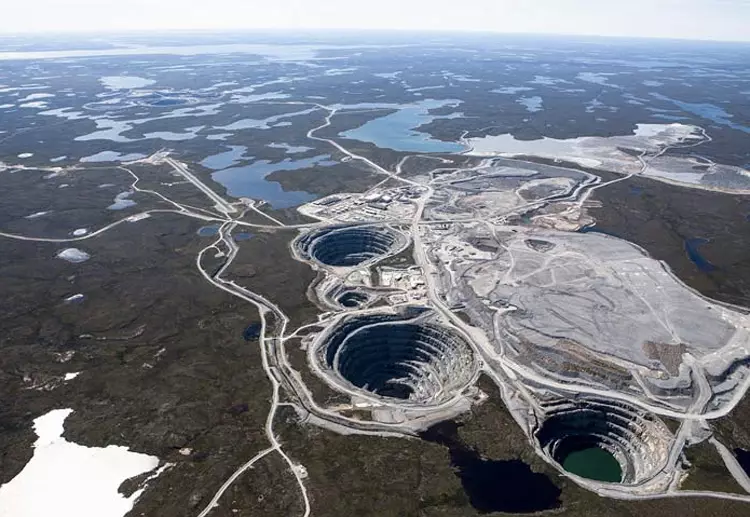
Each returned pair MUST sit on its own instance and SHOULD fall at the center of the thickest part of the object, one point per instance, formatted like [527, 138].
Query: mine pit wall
[425, 357]
[349, 246]
[379, 350]
[638, 441]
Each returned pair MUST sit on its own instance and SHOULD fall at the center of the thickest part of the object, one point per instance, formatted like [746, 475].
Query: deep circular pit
[352, 299]
[604, 441]
[350, 246]
[420, 362]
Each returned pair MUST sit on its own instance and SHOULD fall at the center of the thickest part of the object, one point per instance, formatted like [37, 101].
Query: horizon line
[303, 30]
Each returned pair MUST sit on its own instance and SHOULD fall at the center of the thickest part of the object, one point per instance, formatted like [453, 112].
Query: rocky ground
[166, 371]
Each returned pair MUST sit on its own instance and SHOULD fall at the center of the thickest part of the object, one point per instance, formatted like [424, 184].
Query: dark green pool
[594, 463]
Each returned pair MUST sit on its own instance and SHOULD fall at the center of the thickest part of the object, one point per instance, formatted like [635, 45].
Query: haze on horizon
[726, 20]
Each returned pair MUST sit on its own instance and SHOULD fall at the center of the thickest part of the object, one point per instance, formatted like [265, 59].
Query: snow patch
[36, 215]
[111, 156]
[511, 90]
[122, 202]
[65, 479]
[73, 255]
[652, 130]
[36, 96]
[532, 104]
[35, 104]
[125, 82]
[290, 149]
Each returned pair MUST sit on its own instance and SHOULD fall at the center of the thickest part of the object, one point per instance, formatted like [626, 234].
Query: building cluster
[377, 205]
[410, 282]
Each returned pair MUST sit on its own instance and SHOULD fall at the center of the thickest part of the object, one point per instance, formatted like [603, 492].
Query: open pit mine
[480, 270]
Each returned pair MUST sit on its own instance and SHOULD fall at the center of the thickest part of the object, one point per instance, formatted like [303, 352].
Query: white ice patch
[590, 151]
[73, 255]
[66, 113]
[290, 149]
[35, 104]
[652, 130]
[600, 78]
[122, 202]
[219, 136]
[546, 147]
[72, 375]
[36, 215]
[389, 75]
[621, 154]
[532, 104]
[22, 88]
[511, 90]
[548, 81]
[65, 479]
[125, 82]
[36, 96]
[112, 156]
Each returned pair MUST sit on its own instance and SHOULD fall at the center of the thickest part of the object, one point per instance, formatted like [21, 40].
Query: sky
[684, 19]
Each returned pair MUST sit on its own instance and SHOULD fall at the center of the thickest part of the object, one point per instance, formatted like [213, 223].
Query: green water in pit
[594, 463]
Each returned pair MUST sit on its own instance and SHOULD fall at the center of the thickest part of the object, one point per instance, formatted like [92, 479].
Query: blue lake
[208, 231]
[396, 131]
[692, 247]
[252, 332]
[226, 159]
[249, 181]
[707, 111]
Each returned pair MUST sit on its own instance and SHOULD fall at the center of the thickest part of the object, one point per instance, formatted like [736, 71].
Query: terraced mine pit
[352, 299]
[349, 246]
[604, 441]
[410, 360]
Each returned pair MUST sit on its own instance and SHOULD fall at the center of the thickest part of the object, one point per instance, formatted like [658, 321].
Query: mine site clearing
[524, 304]
[540, 300]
